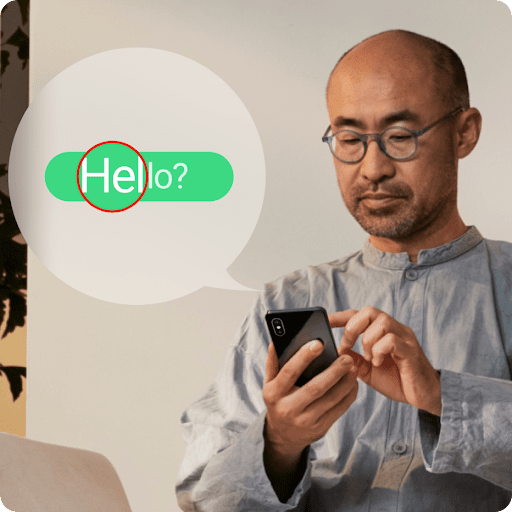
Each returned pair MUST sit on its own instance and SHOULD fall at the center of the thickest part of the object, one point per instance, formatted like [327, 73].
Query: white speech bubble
[156, 101]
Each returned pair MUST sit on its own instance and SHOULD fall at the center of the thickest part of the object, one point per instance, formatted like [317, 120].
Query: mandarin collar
[434, 256]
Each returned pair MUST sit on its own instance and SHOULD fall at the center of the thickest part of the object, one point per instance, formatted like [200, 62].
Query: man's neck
[425, 239]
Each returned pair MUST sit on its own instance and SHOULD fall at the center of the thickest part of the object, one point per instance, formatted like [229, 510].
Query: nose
[376, 166]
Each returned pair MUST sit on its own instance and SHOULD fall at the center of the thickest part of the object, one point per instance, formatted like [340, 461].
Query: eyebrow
[394, 117]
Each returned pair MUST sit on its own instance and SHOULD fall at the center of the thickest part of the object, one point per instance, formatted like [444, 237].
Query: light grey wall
[115, 378]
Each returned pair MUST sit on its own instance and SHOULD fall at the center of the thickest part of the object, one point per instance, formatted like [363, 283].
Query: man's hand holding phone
[298, 416]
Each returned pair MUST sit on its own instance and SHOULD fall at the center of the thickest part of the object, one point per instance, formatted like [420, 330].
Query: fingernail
[345, 361]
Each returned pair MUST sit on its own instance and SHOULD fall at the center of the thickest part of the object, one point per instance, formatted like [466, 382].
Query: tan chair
[42, 477]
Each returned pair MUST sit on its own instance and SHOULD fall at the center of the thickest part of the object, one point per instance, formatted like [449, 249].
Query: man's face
[370, 91]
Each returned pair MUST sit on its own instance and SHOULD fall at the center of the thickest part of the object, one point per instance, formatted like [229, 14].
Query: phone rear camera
[278, 326]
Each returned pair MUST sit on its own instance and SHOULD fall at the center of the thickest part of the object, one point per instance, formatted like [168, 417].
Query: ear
[469, 125]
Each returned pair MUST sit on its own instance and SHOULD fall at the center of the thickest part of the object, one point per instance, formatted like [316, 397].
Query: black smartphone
[290, 329]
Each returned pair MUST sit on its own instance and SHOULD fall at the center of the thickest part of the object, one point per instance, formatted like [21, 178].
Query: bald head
[402, 52]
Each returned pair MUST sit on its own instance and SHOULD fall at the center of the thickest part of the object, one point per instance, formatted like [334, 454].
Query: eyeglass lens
[397, 143]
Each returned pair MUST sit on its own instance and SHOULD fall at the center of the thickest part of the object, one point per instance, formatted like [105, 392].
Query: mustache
[397, 189]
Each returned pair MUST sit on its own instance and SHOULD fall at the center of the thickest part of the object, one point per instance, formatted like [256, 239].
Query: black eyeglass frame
[378, 138]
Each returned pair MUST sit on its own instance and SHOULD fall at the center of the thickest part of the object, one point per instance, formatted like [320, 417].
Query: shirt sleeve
[474, 433]
[223, 465]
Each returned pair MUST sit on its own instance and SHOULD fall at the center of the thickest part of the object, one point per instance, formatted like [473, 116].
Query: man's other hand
[393, 363]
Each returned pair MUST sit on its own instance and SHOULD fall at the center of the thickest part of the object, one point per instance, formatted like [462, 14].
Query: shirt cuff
[441, 437]
[253, 461]
[235, 479]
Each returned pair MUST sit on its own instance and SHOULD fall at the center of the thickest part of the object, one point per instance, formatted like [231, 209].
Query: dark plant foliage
[13, 270]
[13, 285]
[20, 39]
[13, 374]
[13, 255]
[5, 60]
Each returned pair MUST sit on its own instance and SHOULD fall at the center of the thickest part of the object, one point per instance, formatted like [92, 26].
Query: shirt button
[399, 448]
[411, 274]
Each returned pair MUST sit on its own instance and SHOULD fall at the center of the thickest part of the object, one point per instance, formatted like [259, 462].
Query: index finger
[356, 325]
[271, 365]
[340, 318]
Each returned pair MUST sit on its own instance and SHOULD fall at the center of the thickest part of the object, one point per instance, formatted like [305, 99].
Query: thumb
[272, 365]
[363, 366]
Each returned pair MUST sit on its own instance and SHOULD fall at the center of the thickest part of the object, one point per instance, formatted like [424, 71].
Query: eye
[347, 139]
[400, 138]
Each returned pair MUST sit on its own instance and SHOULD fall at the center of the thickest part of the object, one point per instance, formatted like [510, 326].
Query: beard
[400, 219]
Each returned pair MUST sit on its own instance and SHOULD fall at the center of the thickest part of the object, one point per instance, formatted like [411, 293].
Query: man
[425, 309]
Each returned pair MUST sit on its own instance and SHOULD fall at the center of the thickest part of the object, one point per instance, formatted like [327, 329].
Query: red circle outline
[101, 144]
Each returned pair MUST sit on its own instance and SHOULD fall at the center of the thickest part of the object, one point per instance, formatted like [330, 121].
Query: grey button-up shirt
[380, 455]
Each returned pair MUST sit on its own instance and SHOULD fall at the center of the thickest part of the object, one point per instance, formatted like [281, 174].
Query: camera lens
[278, 326]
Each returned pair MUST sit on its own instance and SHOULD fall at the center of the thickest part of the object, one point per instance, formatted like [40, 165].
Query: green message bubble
[112, 176]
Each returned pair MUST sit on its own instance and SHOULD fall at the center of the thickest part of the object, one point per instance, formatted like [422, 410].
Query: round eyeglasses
[396, 142]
